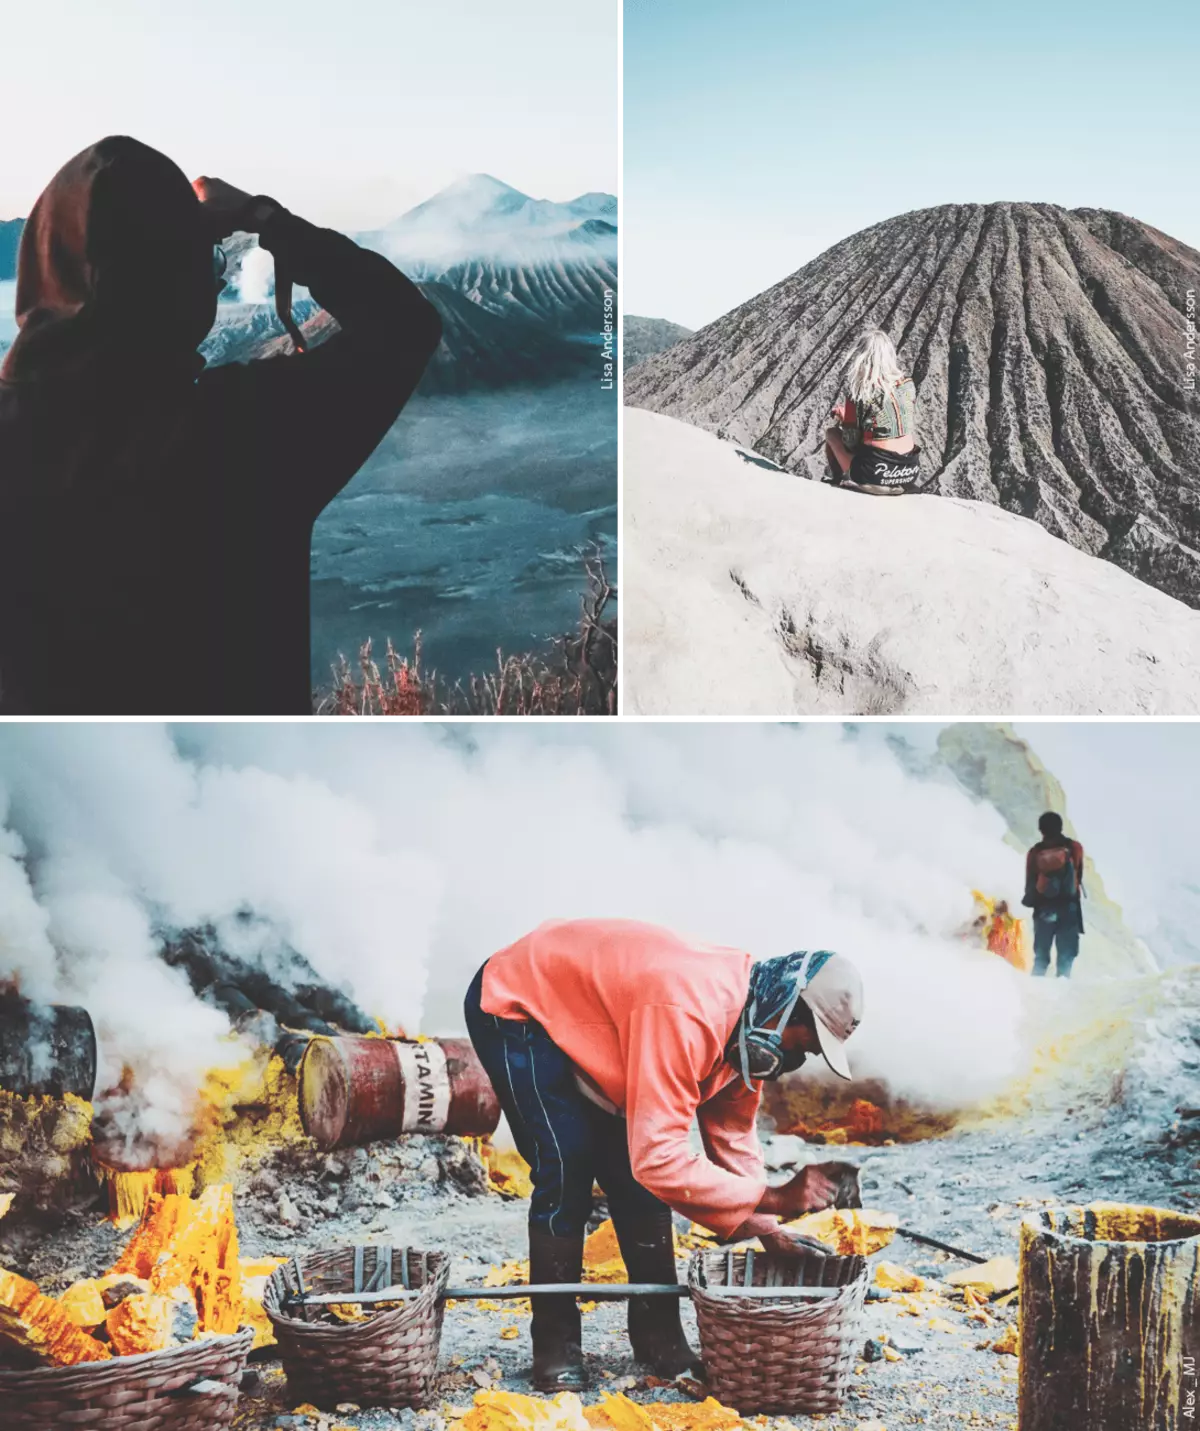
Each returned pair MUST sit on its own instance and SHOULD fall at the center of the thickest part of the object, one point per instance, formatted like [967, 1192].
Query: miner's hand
[787, 1244]
[229, 208]
[809, 1191]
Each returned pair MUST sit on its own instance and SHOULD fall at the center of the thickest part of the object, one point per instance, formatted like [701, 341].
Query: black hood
[115, 267]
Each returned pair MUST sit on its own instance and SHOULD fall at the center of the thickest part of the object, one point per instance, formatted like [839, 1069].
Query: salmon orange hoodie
[647, 1015]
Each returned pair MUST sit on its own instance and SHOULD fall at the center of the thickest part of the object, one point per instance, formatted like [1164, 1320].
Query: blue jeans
[1060, 930]
[568, 1141]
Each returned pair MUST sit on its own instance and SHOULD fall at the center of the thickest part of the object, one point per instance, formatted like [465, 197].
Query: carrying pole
[594, 1291]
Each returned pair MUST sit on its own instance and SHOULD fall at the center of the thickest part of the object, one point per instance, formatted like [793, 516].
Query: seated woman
[873, 446]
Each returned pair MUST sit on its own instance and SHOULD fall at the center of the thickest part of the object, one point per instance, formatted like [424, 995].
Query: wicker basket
[188, 1388]
[388, 1360]
[784, 1354]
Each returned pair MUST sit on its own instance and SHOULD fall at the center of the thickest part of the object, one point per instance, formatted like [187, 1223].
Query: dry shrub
[577, 675]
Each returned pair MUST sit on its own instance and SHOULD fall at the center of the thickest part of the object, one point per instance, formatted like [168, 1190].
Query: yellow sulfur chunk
[988, 1278]
[164, 1219]
[849, 1231]
[602, 1261]
[511, 1411]
[1008, 1342]
[149, 1321]
[507, 1273]
[141, 1323]
[507, 1170]
[255, 1273]
[203, 1260]
[37, 1325]
[896, 1278]
[84, 1304]
[619, 1413]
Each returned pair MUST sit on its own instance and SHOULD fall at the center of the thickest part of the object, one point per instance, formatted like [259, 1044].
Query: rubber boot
[655, 1329]
[556, 1328]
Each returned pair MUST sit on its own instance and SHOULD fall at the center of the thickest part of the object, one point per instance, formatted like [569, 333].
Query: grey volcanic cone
[1048, 349]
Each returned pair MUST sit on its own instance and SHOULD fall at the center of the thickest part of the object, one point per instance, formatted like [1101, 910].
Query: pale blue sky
[758, 134]
[349, 112]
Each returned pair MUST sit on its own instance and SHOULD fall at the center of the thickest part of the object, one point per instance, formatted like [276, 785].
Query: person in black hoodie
[1054, 891]
[155, 517]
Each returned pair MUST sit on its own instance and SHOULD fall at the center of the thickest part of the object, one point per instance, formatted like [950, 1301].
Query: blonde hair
[874, 366]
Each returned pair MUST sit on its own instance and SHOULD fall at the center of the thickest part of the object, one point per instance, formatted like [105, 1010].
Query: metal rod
[595, 1291]
[941, 1246]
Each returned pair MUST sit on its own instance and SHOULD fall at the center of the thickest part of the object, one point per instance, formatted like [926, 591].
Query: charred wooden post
[356, 1090]
[1110, 1318]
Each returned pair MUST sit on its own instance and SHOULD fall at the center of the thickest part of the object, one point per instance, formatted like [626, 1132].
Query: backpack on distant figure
[1056, 875]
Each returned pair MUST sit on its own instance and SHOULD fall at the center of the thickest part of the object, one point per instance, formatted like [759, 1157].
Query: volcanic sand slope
[1048, 349]
[749, 591]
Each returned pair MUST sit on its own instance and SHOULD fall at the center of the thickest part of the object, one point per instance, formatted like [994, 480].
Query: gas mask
[760, 1052]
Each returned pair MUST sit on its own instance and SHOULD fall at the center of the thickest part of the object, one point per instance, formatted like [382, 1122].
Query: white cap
[834, 994]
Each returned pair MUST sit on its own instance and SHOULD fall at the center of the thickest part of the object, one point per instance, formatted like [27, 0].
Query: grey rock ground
[1048, 346]
[970, 1189]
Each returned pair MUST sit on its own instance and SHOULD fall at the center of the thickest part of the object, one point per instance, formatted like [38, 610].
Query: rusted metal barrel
[1110, 1319]
[46, 1049]
[354, 1090]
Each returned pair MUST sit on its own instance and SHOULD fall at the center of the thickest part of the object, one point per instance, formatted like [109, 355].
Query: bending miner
[872, 447]
[155, 517]
[605, 1040]
[1054, 891]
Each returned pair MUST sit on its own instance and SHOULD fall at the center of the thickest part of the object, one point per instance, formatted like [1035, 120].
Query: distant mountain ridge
[1048, 348]
[643, 337]
[10, 243]
[519, 283]
[511, 254]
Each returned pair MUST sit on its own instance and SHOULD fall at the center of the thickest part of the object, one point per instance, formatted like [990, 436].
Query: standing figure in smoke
[604, 1040]
[155, 518]
[1054, 891]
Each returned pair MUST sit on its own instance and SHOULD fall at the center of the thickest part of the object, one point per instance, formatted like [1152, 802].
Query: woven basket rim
[224, 1341]
[699, 1260]
[373, 1325]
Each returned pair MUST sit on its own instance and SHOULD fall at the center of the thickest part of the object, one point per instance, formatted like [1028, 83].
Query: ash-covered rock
[297, 1188]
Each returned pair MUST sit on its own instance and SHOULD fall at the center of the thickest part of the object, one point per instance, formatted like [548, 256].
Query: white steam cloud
[396, 858]
[256, 275]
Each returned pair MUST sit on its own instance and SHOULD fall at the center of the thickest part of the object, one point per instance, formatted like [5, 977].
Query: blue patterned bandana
[775, 988]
